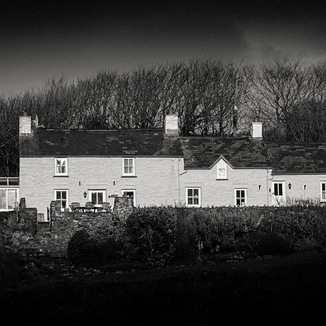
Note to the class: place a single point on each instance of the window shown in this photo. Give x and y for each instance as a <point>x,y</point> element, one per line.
<point>240,197</point>
<point>97,197</point>
<point>193,197</point>
<point>131,194</point>
<point>128,166</point>
<point>8,199</point>
<point>61,166</point>
<point>221,170</point>
<point>10,181</point>
<point>62,197</point>
<point>323,191</point>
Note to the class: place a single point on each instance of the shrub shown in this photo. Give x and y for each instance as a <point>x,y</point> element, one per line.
<point>113,226</point>
<point>224,227</point>
<point>151,235</point>
<point>81,248</point>
<point>102,244</point>
<point>269,244</point>
<point>186,238</point>
<point>11,266</point>
<point>109,234</point>
<point>303,227</point>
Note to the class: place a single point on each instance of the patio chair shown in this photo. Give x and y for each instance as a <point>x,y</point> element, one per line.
<point>106,206</point>
<point>89,206</point>
<point>74,206</point>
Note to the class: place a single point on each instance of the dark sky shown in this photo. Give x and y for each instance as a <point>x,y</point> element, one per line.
<point>77,39</point>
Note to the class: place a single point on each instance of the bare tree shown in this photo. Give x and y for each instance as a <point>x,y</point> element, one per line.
<point>276,88</point>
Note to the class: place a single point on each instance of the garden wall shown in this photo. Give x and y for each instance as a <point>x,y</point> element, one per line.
<point>17,224</point>
<point>21,230</point>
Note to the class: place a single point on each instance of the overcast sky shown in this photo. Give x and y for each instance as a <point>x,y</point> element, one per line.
<point>76,40</point>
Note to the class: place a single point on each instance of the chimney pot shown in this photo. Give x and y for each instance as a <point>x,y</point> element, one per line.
<point>257,130</point>
<point>171,125</point>
<point>25,124</point>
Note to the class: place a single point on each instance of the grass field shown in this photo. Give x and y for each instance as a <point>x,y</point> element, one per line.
<point>278,290</point>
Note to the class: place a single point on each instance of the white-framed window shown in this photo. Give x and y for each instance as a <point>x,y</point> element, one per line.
<point>221,170</point>
<point>129,193</point>
<point>97,197</point>
<point>240,196</point>
<point>62,197</point>
<point>193,197</point>
<point>61,166</point>
<point>128,166</point>
<point>323,191</point>
<point>9,198</point>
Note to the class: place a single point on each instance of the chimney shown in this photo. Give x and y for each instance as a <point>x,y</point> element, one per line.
<point>25,124</point>
<point>171,125</point>
<point>257,130</point>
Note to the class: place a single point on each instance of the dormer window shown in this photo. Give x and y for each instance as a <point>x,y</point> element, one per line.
<point>221,170</point>
<point>61,166</point>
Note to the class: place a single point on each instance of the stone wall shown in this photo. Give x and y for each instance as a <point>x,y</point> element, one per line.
<point>20,230</point>
<point>19,227</point>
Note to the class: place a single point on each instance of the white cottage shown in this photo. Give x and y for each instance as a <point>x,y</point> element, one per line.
<point>158,167</point>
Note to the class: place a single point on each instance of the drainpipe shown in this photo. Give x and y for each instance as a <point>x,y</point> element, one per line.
<point>179,181</point>
<point>267,190</point>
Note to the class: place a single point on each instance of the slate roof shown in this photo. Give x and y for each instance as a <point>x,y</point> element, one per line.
<point>297,157</point>
<point>198,152</point>
<point>102,143</point>
<point>202,152</point>
<point>245,152</point>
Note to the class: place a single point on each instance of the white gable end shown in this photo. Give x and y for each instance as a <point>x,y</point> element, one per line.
<point>221,169</point>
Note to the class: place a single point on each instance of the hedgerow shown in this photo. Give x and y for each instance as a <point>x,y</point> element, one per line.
<point>160,236</point>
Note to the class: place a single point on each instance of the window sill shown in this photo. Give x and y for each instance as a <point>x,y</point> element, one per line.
<point>61,176</point>
<point>128,176</point>
<point>222,179</point>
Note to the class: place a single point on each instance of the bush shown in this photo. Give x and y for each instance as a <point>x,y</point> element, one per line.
<point>224,228</point>
<point>303,227</point>
<point>104,243</point>
<point>270,244</point>
<point>81,248</point>
<point>11,266</point>
<point>110,236</point>
<point>186,238</point>
<point>151,235</point>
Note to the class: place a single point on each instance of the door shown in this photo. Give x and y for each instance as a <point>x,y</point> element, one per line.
<point>278,193</point>
<point>97,197</point>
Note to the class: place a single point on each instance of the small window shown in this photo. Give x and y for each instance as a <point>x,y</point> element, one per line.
<point>131,194</point>
<point>240,197</point>
<point>62,197</point>
<point>193,197</point>
<point>97,197</point>
<point>323,191</point>
<point>128,166</point>
<point>221,170</point>
<point>61,166</point>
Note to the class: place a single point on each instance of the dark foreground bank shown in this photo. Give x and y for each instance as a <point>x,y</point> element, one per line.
<point>274,290</point>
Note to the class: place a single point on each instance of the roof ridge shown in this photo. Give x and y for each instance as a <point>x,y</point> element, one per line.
<point>104,130</point>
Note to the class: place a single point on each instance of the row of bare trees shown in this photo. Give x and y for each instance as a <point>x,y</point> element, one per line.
<point>211,98</point>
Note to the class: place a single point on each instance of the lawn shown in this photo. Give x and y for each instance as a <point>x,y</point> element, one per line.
<point>275,290</point>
